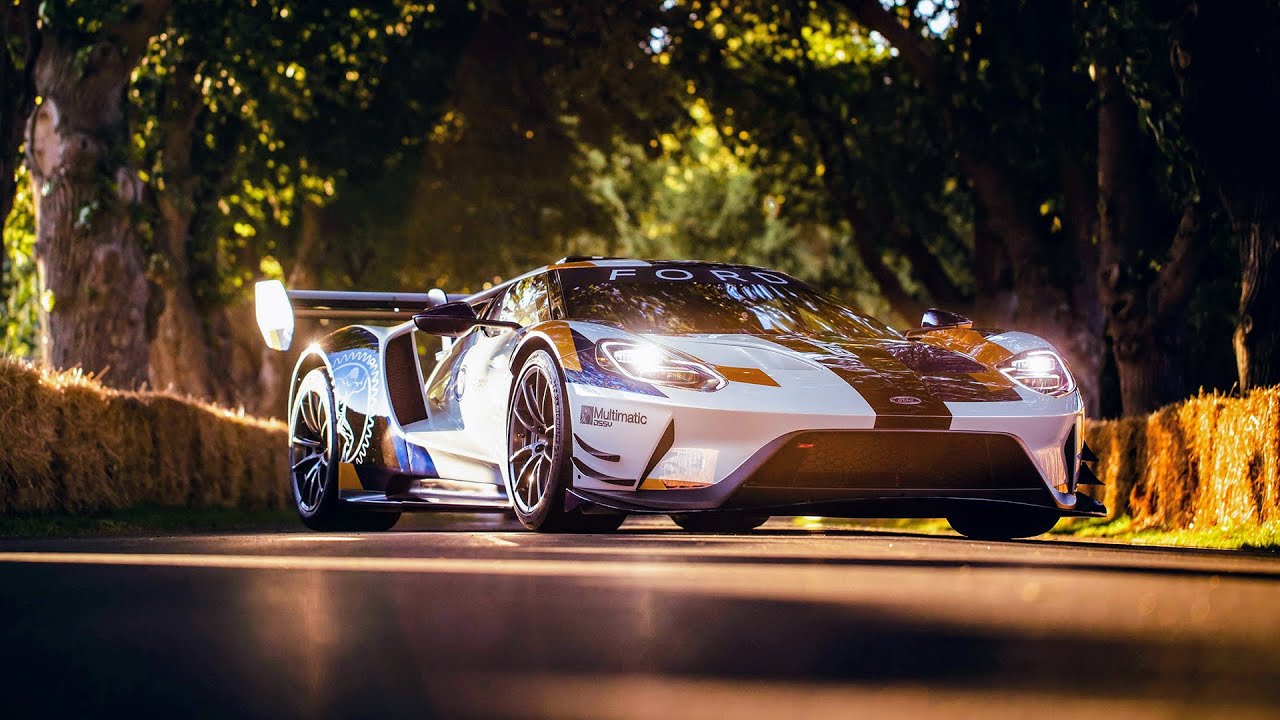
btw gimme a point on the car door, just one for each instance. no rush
(486, 371)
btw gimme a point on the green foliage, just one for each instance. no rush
(835, 126)
(286, 103)
(701, 198)
(407, 144)
(20, 313)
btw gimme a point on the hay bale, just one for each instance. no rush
(1121, 452)
(1163, 496)
(27, 434)
(1239, 489)
(84, 455)
(176, 441)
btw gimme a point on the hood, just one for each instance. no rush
(897, 374)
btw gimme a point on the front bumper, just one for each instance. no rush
(868, 473)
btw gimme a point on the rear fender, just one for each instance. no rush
(371, 439)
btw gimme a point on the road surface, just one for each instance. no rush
(475, 618)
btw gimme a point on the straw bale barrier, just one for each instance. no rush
(70, 446)
(1210, 461)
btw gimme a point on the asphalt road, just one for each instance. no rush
(474, 618)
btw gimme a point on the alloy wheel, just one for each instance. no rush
(309, 449)
(532, 439)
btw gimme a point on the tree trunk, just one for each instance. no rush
(180, 354)
(1046, 300)
(994, 301)
(89, 242)
(1258, 227)
(1145, 308)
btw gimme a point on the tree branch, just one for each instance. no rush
(1177, 278)
(1010, 219)
(836, 159)
(903, 33)
(137, 32)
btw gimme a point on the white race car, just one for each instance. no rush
(717, 394)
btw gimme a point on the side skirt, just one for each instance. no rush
(432, 495)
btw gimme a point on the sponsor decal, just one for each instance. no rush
(357, 391)
(606, 417)
(698, 274)
(905, 400)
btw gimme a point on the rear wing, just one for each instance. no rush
(276, 308)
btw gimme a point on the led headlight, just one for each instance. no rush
(653, 364)
(1041, 370)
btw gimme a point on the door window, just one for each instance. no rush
(526, 302)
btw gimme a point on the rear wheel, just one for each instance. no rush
(538, 463)
(313, 462)
(1002, 523)
(715, 522)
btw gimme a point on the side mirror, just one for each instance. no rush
(454, 319)
(935, 319)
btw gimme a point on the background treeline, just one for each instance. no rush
(1102, 173)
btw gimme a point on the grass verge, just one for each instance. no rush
(147, 520)
(1264, 538)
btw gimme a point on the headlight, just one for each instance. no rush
(653, 364)
(1041, 370)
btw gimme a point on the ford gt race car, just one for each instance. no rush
(718, 394)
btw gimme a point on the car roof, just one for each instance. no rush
(593, 261)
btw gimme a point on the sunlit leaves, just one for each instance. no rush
(19, 316)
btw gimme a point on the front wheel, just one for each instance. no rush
(1002, 523)
(538, 463)
(714, 522)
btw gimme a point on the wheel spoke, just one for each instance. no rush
(535, 483)
(309, 411)
(530, 402)
(544, 476)
(309, 458)
(307, 491)
(521, 414)
(544, 404)
(518, 453)
(306, 441)
(317, 483)
(524, 471)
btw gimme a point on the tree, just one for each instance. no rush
(828, 122)
(251, 121)
(1227, 58)
(1152, 231)
(89, 244)
(20, 39)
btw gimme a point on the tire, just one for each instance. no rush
(538, 453)
(313, 470)
(717, 522)
(1003, 523)
(313, 446)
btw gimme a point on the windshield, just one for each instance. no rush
(698, 299)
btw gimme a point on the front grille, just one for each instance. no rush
(907, 460)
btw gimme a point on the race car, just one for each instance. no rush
(720, 395)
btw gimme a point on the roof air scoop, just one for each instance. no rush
(935, 319)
